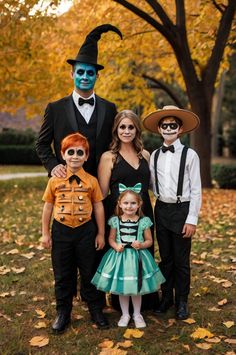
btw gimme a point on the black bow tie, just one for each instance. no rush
(86, 101)
(74, 177)
(171, 148)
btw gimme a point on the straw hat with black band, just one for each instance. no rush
(88, 52)
(190, 121)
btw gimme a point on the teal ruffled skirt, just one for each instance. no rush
(118, 273)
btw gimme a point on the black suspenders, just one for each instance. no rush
(181, 173)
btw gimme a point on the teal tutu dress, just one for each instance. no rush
(130, 272)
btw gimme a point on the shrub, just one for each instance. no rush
(18, 155)
(10, 136)
(224, 175)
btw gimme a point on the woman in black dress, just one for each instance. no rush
(126, 162)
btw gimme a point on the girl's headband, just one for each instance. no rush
(136, 188)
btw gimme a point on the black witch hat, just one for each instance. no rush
(88, 52)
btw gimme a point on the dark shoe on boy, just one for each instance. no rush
(164, 306)
(182, 311)
(61, 322)
(99, 319)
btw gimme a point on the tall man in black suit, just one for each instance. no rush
(82, 111)
(94, 118)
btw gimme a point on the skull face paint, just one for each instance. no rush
(84, 76)
(169, 129)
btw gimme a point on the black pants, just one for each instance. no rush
(174, 251)
(74, 248)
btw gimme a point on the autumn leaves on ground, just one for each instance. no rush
(27, 299)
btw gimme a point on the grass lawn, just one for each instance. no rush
(11, 169)
(27, 296)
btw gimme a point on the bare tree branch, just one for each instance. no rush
(180, 14)
(160, 85)
(160, 12)
(157, 25)
(210, 73)
(218, 7)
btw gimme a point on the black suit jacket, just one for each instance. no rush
(60, 120)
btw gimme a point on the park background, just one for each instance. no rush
(173, 52)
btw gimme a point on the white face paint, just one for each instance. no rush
(169, 130)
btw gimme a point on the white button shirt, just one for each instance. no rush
(86, 110)
(167, 174)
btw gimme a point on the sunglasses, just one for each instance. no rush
(78, 152)
(172, 125)
(130, 127)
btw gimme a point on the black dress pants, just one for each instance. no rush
(74, 248)
(174, 252)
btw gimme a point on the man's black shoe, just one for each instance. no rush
(163, 307)
(99, 319)
(61, 322)
(182, 311)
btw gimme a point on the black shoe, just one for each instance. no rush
(182, 311)
(61, 322)
(99, 319)
(163, 307)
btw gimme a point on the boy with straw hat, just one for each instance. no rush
(176, 183)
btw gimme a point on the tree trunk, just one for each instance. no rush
(201, 138)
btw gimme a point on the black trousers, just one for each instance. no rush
(74, 248)
(174, 251)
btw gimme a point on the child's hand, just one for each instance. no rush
(136, 245)
(99, 242)
(119, 248)
(188, 230)
(46, 241)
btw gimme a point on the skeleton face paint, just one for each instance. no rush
(169, 129)
(84, 76)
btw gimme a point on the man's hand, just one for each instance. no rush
(46, 241)
(99, 242)
(188, 230)
(59, 171)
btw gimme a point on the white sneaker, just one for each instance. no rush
(139, 321)
(124, 320)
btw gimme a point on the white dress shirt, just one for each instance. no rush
(86, 110)
(167, 174)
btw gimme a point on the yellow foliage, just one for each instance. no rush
(201, 333)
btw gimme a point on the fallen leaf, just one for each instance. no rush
(230, 341)
(125, 344)
(18, 270)
(189, 321)
(214, 309)
(187, 347)
(204, 346)
(114, 351)
(37, 298)
(154, 319)
(198, 262)
(5, 317)
(201, 333)
(28, 255)
(214, 340)
(106, 344)
(4, 270)
(171, 322)
(222, 302)
(5, 294)
(39, 341)
(13, 252)
(40, 313)
(40, 325)
(175, 337)
(78, 317)
(227, 284)
(229, 324)
(136, 333)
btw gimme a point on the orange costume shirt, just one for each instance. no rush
(73, 202)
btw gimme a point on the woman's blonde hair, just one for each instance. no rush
(118, 210)
(137, 142)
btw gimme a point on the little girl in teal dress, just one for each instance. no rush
(128, 268)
